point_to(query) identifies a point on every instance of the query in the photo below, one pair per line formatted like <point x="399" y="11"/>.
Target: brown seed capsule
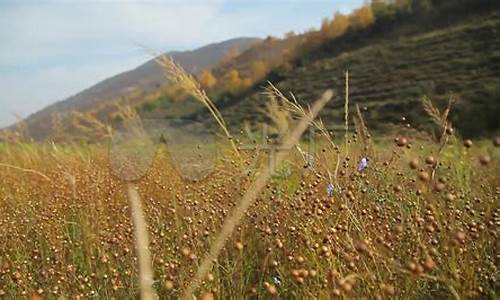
<point x="412" y="266"/>
<point x="35" y="297"/>
<point x="185" y="252"/>
<point x="460" y="236"/>
<point x="430" y="160"/>
<point x="389" y="289"/>
<point x="207" y="296"/>
<point x="169" y="285"/>
<point x="414" y="163"/>
<point x="468" y="143"/>
<point x="450" y="197"/>
<point x="271" y="289"/>
<point x="496" y="141"/>
<point x="239" y="246"/>
<point x="401" y="141"/>
<point x="484" y="159"/>
<point x="429" y="263"/>
<point x="424" y="176"/>
<point x="439" y="187"/>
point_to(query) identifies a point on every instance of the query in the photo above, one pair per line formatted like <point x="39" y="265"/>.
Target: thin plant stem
<point x="141" y="243"/>
<point x="252" y="193"/>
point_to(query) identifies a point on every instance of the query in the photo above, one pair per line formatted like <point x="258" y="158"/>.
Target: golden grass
<point x="389" y="231"/>
<point x="253" y="192"/>
<point x="176" y="74"/>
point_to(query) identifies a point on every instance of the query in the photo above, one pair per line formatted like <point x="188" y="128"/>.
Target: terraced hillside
<point x="389" y="78"/>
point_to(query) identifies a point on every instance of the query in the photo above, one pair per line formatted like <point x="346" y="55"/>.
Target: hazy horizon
<point x="54" y="49"/>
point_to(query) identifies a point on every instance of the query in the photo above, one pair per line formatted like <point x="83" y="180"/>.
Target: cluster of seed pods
<point x="400" y="220"/>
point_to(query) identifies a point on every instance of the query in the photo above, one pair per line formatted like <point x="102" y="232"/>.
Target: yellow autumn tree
<point x="206" y="79"/>
<point x="362" y="17"/>
<point x="259" y="70"/>
<point x="325" y="27"/>
<point x="339" y="25"/>
<point x="335" y="27"/>
<point x="246" y="83"/>
<point x="233" y="80"/>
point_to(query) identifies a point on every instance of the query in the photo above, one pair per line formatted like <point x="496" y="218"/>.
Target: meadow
<point x="404" y="216"/>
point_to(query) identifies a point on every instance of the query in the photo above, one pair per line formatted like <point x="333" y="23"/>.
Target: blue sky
<point x="50" y="50"/>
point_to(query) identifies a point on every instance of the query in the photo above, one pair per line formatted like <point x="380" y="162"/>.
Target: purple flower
<point x="329" y="189"/>
<point x="363" y="164"/>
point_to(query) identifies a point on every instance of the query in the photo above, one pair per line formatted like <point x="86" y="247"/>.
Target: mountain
<point x="144" y="79"/>
<point x="452" y="51"/>
<point x="434" y="48"/>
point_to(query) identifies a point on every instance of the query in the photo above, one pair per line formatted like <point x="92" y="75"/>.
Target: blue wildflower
<point x="363" y="164"/>
<point x="329" y="189"/>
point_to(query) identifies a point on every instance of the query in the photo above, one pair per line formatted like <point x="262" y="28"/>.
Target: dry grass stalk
<point x="278" y="114"/>
<point x="141" y="244"/>
<point x="57" y="126"/>
<point x="21" y="130"/>
<point x="362" y="128"/>
<point x="89" y="125"/>
<point x="431" y="110"/>
<point x="299" y="111"/>
<point x="441" y="119"/>
<point x="346" y="111"/>
<point x="175" y="73"/>
<point x="26" y="170"/>
<point x="252" y="193"/>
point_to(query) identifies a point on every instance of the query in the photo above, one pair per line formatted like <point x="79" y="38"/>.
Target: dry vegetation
<point x="420" y="221"/>
<point x="402" y="216"/>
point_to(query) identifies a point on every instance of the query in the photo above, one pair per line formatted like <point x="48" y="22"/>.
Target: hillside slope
<point x="143" y="79"/>
<point x="390" y="75"/>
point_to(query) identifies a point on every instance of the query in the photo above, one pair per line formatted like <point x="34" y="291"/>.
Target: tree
<point x="230" y="54"/>
<point x="381" y="9"/>
<point x="325" y="27"/>
<point x="206" y="79"/>
<point x="339" y="25"/>
<point x="290" y="34"/>
<point x="362" y="17"/>
<point x="403" y="5"/>
<point x="233" y="80"/>
<point x="259" y="70"/>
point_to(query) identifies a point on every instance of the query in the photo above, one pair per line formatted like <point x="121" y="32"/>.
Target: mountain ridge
<point x="144" y="78"/>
